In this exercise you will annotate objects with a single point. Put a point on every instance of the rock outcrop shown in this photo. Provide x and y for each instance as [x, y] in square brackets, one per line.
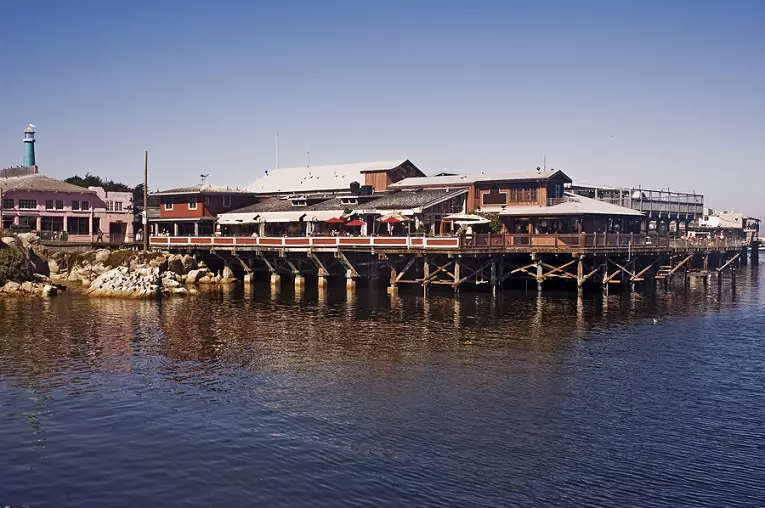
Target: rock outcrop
[128, 273]
[24, 267]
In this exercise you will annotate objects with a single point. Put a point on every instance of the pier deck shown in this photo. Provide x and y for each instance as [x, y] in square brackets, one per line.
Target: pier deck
[478, 259]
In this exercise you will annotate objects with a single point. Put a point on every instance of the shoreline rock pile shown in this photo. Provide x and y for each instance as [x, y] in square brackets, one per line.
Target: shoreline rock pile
[133, 274]
[24, 267]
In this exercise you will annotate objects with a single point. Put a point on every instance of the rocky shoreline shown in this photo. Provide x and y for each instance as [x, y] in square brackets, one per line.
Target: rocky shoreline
[27, 269]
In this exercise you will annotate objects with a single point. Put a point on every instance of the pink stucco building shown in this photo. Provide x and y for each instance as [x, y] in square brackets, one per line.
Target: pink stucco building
[31, 201]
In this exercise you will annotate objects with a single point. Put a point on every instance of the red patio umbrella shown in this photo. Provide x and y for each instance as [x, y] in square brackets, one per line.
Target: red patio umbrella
[335, 220]
[355, 222]
[390, 220]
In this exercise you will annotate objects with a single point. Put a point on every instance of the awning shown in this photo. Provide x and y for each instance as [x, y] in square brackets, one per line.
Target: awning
[392, 218]
[281, 216]
[323, 215]
[466, 217]
[238, 218]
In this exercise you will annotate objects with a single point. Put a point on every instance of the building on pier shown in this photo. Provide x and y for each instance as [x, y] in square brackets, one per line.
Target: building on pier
[726, 224]
[571, 214]
[666, 211]
[489, 193]
[335, 178]
[402, 212]
[193, 210]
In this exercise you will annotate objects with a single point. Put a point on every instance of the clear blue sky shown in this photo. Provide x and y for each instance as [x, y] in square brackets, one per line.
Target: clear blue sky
[663, 94]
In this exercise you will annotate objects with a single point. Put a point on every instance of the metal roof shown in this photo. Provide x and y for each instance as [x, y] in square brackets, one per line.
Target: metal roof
[202, 188]
[572, 205]
[467, 179]
[318, 178]
[411, 199]
[39, 182]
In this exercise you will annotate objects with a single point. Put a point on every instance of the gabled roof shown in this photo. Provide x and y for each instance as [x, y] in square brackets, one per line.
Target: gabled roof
[467, 179]
[320, 178]
[410, 199]
[202, 188]
[573, 204]
[39, 182]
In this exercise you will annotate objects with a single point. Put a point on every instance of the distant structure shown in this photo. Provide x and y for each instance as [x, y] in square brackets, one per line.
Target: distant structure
[29, 145]
[57, 210]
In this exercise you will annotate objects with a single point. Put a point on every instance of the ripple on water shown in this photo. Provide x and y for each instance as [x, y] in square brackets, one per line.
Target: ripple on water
[246, 398]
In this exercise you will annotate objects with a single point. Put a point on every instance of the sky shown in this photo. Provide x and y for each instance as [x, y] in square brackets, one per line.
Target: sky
[663, 94]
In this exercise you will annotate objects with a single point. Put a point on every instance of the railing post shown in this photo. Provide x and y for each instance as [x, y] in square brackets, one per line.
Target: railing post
[556, 240]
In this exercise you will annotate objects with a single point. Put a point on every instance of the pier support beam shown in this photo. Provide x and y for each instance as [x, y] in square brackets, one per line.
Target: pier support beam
[276, 279]
[457, 278]
[540, 275]
[425, 275]
[299, 281]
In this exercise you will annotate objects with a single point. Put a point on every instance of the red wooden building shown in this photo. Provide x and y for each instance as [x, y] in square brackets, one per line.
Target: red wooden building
[193, 210]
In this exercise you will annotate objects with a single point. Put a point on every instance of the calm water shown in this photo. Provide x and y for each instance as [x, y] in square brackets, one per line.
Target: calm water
[238, 398]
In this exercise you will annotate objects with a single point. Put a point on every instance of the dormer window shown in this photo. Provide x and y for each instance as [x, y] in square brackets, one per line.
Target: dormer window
[349, 200]
[299, 202]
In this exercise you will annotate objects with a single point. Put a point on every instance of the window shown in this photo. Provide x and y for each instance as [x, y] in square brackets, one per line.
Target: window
[168, 203]
[75, 205]
[494, 197]
[7, 203]
[49, 204]
[226, 201]
[77, 226]
[192, 202]
[59, 204]
[28, 204]
[523, 194]
[114, 206]
[85, 205]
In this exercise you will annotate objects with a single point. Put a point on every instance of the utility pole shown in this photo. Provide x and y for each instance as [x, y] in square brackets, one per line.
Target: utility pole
[146, 200]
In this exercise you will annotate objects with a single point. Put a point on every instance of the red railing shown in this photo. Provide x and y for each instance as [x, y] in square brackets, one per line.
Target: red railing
[516, 242]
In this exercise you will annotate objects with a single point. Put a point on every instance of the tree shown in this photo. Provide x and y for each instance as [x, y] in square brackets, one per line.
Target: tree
[96, 181]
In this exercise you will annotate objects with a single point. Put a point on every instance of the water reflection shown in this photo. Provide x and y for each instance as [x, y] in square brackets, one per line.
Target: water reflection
[388, 395]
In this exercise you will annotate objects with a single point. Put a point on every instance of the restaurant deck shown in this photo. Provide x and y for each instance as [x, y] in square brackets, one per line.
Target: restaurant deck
[476, 259]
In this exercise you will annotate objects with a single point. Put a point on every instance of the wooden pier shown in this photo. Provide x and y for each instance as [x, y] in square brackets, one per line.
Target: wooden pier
[455, 261]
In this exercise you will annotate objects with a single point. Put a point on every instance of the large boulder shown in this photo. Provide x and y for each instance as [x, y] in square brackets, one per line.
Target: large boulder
[37, 263]
[175, 264]
[28, 239]
[194, 276]
[49, 290]
[189, 263]
[53, 267]
[228, 273]
[11, 287]
[102, 255]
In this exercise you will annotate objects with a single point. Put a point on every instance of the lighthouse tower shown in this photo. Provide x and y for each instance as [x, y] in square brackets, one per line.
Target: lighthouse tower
[29, 145]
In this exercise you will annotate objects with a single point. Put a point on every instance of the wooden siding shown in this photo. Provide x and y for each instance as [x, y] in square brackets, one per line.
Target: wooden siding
[207, 205]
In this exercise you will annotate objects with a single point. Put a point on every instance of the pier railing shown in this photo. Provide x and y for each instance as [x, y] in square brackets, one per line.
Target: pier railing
[574, 242]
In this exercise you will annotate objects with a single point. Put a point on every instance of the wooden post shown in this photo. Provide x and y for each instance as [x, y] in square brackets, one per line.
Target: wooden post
[145, 200]
[392, 289]
[493, 276]
[457, 276]
[540, 274]
[425, 275]
[580, 274]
